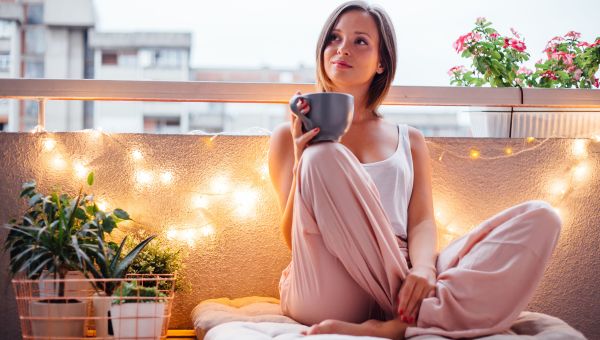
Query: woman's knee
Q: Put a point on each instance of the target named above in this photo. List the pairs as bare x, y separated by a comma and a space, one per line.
546, 215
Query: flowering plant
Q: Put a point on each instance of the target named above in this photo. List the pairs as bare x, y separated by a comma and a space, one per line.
497, 60
570, 63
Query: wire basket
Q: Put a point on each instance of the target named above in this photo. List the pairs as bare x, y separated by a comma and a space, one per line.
77, 307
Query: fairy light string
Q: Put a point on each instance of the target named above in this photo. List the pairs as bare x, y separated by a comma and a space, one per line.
240, 199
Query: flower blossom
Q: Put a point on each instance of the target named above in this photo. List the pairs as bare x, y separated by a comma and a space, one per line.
459, 44
515, 33
573, 35
583, 44
524, 70
567, 58
515, 44
550, 74
455, 69
577, 74
596, 83
494, 35
480, 20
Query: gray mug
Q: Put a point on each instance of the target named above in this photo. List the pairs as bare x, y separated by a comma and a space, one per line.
331, 112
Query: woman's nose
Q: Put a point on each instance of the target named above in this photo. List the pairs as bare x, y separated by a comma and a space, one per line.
343, 48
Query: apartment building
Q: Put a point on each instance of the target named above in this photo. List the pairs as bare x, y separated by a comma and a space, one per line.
44, 39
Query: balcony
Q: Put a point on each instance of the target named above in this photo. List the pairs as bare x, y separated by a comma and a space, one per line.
211, 192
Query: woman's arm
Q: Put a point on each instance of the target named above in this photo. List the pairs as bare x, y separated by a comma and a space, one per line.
422, 233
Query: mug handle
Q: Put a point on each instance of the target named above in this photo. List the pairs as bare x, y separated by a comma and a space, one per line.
306, 122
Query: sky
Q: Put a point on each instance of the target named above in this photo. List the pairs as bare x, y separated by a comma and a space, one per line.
283, 34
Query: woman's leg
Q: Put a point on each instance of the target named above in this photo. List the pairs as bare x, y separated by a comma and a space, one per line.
487, 277
346, 262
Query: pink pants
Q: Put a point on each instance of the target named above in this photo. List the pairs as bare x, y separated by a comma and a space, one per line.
347, 265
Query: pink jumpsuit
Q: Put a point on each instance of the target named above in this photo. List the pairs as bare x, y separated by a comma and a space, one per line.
347, 264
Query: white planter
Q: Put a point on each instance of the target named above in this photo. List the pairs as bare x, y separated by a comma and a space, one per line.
60, 319
101, 307
75, 286
137, 320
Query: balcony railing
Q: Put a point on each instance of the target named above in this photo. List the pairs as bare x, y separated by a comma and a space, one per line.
43, 90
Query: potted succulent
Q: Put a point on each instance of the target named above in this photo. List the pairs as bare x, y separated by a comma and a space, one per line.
46, 241
137, 311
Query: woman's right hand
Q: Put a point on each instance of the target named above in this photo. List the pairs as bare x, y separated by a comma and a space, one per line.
300, 139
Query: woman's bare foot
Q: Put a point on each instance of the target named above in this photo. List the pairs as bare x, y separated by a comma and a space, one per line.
393, 329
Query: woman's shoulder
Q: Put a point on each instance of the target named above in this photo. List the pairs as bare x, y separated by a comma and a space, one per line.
417, 140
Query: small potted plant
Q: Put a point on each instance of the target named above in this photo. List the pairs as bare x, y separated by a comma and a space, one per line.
137, 311
46, 241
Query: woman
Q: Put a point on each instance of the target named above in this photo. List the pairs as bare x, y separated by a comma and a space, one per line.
358, 215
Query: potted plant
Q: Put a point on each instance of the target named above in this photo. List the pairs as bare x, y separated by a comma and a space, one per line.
47, 240
137, 311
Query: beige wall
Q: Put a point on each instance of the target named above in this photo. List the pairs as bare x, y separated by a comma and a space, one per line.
246, 253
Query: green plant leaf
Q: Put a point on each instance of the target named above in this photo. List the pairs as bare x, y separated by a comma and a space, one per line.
121, 214
108, 224
35, 199
90, 178
121, 268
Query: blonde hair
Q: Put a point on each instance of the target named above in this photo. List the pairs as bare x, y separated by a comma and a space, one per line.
387, 51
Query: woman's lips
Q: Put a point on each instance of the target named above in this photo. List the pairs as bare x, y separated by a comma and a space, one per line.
341, 64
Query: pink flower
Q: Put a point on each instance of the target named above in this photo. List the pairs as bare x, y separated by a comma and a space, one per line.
494, 35
596, 43
577, 74
515, 33
456, 69
539, 62
583, 44
573, 35
550, 74
596, 83
515, 44
567, 58
459, 44
524, 70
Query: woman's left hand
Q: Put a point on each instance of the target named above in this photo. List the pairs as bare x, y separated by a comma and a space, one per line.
419, 284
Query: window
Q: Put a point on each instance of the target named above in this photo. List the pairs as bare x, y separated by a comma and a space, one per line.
35, 40
162, 58
155, 124
6, 27
127, 59
4, 61
109, 58
34, 14
34, 69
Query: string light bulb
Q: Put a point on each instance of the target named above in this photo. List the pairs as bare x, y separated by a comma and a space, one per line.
49, 144
81, 171
559, 187
579, 148
58, 162
530, 139
143, 177
220, 185
166, 177
264, 171
245, 201
508, 151
207, 230
136, 155
581, 171
474, 154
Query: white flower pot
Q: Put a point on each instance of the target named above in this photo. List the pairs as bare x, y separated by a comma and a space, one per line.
101, 307
137, 320
59, 319
75, 286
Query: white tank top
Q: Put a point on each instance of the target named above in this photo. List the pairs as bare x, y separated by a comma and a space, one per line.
393, 178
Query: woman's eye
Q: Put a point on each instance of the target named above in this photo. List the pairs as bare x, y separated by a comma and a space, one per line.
361, 41
333, 37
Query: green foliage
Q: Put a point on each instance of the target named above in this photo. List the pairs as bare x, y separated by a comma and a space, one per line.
59, 233
130, 292
496, 61
158, 258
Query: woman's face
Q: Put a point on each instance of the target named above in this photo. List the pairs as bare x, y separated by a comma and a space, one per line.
351, 55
